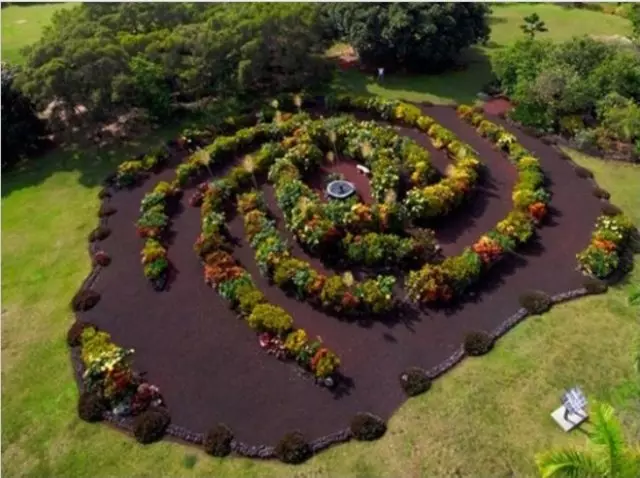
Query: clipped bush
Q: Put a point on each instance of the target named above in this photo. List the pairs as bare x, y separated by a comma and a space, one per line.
270, 318
595, 286
367, 427
583, 172
151, 425
601, 193
99, 233
91, 407
611, 210
477, 343
74, 335
106, 210
415, 381
536, 302
293, 448
84, 300
217, 441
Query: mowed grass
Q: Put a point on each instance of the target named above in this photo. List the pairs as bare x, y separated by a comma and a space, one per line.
486, 418
23, 25
463, 86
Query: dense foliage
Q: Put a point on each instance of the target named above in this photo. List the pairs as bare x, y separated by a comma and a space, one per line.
367, 427
293, 448
563, 87
21, 128
415, 36
105, 56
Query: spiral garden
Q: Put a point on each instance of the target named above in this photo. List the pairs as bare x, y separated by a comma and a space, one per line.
258, 316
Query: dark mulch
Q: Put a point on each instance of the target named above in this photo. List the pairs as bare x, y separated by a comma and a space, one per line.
209, 366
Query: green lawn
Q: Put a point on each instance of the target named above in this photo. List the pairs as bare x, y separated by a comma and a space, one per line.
462, 86
486, 418
23, 25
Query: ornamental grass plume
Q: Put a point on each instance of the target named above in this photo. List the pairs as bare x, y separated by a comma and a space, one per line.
249, 165
297, 100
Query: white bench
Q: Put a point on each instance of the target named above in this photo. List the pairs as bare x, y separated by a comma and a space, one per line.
363, 170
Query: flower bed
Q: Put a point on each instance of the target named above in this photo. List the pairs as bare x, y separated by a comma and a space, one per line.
335, 294
443, 282
109, 379
602, 257
129, 173
272, 324
151, 226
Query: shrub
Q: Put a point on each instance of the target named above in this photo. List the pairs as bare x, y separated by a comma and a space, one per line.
536, 302
583, 172
99, 233
101, 258
151, 425
601, 193
415, 381
293, 448
477, 343
104, 193
106, 210
84, 300
249, 298
595, 286
217, 441
91, 407
611, 210
367, 427
74, 335
270, 318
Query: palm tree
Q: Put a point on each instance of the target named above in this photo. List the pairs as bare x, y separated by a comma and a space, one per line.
532, 25
608, 455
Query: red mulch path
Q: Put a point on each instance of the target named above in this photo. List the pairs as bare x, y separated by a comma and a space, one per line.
497, 106
209, 367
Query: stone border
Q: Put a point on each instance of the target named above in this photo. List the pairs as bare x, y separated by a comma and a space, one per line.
263, 451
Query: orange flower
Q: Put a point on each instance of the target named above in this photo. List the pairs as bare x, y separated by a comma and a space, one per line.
538, 210
605, 244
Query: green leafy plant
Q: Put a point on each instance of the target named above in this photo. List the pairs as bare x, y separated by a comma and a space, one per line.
367, 427
414, 381
477, 343
536, 302
217, 441
293, 448
151, 425
270, 318
606, 456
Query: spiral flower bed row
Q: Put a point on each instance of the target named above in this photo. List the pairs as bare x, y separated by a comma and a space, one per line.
151, 421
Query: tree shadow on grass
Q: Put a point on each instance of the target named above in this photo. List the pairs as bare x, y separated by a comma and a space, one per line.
92, 162
460, 85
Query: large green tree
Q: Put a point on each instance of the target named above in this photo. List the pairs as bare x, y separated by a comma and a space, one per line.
119, 55
550, 80
21, 128
415, 36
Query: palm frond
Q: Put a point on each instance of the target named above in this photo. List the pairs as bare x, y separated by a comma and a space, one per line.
630, 463
568, 464
607, 434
